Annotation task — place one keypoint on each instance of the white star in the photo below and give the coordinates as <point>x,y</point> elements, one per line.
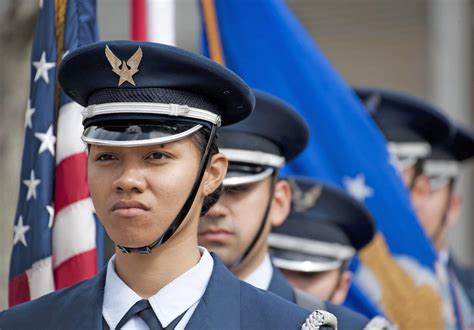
<point>357,188</point>
<point>41,4</point>
<point>42,68</point>
<point>32,183</point>
<point>19,232</point>
<point>50,210</point>
<point>29,113</point>
<point>47,140</point>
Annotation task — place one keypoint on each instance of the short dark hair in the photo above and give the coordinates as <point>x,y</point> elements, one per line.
<point>200,139</point>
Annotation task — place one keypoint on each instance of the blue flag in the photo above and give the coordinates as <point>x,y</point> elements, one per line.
<point>264,43</point>
<point>56,240</point>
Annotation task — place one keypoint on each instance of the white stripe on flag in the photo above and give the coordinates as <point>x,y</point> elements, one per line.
<point>40,278</point>
<point>73,231</point>
<point>161,21</point>
<point>69,131</point>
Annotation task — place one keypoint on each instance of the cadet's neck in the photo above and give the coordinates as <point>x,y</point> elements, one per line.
<point>146,274</point>
<point>253,260</point>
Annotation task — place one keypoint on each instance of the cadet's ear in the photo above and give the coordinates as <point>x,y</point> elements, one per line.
<point>215,173</point>
<point>281,203</point>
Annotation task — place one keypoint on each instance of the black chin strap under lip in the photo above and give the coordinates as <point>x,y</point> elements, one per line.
<point>262,225</point>
<point>186,206</point>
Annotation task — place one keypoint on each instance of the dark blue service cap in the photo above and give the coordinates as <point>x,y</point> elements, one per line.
<point>324,222</point>
<point>404,118</point>
<point>410,124</point>
<point>111,72</point>
<point>459,148</point>
<point>444,161</point>
<point>271,136</point>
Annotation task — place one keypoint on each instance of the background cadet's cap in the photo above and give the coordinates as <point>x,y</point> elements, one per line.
<point>271,136</point>
<point>444,161</point>
<point>138,93</point>
<point>409,124</point>
<point>324,229</point>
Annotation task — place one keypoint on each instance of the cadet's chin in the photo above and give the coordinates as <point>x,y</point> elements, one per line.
<point>136,239</point>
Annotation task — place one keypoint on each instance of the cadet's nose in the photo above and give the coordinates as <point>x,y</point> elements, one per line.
<point>218,210</point>
<point>131,179</point>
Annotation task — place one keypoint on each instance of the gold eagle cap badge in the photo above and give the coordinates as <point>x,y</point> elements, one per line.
<point>125,70</point>
<point>302,201</point>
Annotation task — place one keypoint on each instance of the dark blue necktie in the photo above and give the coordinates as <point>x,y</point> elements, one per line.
<point>142,309</point>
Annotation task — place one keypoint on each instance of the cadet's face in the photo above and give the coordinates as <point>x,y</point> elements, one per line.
<point>232,223</point>
<point>432,213</point>
<point>138,191</point>
<point>420,190</point>
<point>407,175</point>
<point>322,285</point>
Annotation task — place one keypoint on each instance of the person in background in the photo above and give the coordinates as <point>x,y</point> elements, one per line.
<point>411,126</point>
<point>415,130</point>
<point>254,199</point>
<point>442,211</point>
<point>324,230</point>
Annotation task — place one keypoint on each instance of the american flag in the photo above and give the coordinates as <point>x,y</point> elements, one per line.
<point>56,239</point>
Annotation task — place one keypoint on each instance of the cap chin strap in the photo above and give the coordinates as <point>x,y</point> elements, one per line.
<point>249,249</point>
<point>186,206</point>
<point>444,219</point>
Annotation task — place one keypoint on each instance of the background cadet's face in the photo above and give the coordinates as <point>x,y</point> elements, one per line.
<point>431,214</point>
<point>232,223</point>
<point>138,191</point>
<point>419,192</point>
<point>323,284</point>
<point>407,175</point>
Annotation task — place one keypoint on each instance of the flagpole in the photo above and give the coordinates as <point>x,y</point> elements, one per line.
<point>60,14</point>
<point>138,20</point>
<point>212,31</point>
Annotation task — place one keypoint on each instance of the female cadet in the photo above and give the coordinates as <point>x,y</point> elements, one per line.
<point>150,123</point>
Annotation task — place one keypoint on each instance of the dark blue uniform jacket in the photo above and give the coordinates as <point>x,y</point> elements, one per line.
<point>346,318</point>
<point>228,303</point>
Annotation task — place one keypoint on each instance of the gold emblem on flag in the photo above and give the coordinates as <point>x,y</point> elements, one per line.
<point>303,201</point>
<point>125,70</point>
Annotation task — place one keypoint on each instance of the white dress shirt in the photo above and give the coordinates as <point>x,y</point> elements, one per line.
<point>183,293</point>
<point>262,275</point>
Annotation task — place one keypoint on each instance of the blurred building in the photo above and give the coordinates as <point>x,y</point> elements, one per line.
<point>421,47</point>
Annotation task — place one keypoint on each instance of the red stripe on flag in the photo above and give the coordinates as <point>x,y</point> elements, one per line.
<point>18,290</point>
<point>78,268</point>
<point>71,181</point>
<point>138,21</point>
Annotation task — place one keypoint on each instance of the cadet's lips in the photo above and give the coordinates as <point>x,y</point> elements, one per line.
<point>129,208</point>
<point>215,234</point>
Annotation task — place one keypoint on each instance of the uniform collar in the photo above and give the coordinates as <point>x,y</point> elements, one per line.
<point>280,286</point>
<point>262,275</point>
<point>168,303</point>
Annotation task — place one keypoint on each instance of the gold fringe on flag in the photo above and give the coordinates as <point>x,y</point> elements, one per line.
<point>407,304</point>
<point>212,31</point>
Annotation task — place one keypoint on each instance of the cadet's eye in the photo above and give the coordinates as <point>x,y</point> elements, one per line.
<point>157,156</point>
<point>105,157</point>
<point>234,190</point>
